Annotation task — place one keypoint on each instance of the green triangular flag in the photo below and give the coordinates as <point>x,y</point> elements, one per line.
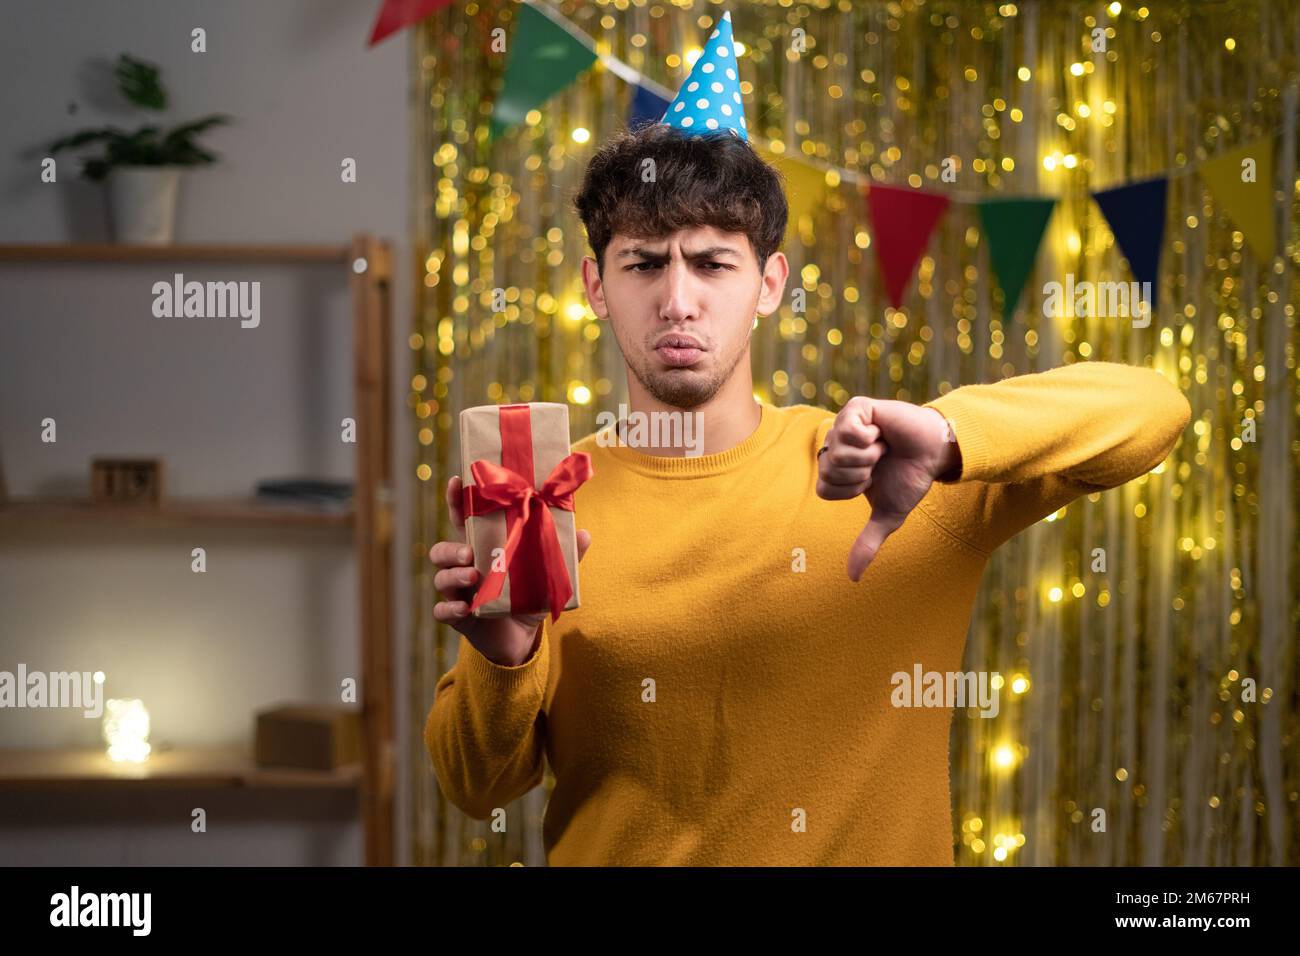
<point>1014,228</point>
<point>544,59</point>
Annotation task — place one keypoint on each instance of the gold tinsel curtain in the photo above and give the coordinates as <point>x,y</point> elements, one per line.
<point>1125,685</point>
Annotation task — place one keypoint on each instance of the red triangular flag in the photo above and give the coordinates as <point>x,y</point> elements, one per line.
<point>396,14</point>
<point>902,220</point>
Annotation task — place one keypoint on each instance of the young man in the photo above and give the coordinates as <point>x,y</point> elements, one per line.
<point>725,692</point>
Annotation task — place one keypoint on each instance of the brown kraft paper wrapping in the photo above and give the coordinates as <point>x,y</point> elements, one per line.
<point>480,437</point>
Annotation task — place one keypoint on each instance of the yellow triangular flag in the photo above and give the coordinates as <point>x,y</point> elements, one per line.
<point>805,189</point>
<point>1242,181</point>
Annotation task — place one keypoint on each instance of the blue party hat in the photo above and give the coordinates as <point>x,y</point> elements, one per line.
<point>710,98</point>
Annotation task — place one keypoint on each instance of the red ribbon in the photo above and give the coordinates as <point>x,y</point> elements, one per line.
<point>532,540</point>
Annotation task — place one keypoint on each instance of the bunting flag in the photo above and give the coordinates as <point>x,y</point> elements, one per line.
<point>1242,181</point>
<point>901,222</point>
<point>805,191</point>
<point>1014,228</point>
<point>1136,214</point>
<point>545,57</point>
<point>396,15</point>
<point>647,107</point>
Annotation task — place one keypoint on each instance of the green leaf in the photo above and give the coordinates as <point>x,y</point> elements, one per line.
<point>82,138</point>
<point>139,82</point>
<point>185,131</point>
<point>142,137</point>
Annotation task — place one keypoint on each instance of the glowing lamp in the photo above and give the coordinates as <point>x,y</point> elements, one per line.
<point>126,730</point>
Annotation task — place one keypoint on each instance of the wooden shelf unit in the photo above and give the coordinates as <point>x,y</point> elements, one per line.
<point>369,262</point>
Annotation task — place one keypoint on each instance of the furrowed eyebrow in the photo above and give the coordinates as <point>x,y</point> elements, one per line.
<point>712,252</point>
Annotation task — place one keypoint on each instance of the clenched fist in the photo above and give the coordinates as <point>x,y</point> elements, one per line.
<point>890,451</point>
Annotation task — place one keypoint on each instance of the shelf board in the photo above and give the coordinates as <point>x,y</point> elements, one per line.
<point>178,512</point>
<point>209,768</point>
<point>186,251</point>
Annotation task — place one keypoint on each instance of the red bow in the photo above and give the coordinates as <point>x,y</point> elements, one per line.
<point>532,540</point>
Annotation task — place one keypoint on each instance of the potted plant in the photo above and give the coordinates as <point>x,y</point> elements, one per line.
<point>142,169</point>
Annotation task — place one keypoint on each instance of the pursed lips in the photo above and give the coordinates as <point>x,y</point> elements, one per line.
<point>679,342</point>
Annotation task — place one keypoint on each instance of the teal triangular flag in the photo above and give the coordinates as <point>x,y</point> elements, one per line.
<point>1014,228</point>
<point>544,59</point>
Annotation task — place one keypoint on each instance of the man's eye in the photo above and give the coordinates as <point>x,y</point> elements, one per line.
<point>642,266</point>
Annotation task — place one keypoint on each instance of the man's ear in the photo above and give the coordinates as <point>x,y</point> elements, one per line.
<point>592,282</point>
<point>775,272</point>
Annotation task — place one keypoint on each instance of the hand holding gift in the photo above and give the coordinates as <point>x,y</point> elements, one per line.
<point>508,641</point>
<point>517,512</point>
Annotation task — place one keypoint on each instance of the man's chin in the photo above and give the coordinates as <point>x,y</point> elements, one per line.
<point>682,388</point>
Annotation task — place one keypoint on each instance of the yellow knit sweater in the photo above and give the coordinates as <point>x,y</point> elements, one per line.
<point>723,694</point>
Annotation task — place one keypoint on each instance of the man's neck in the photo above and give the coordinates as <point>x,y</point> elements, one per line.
<point>720,424</point>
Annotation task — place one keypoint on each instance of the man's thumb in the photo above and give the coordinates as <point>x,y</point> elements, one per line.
<point>863,552</point>
<point>584,542</point>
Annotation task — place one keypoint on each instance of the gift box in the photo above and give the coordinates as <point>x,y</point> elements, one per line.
<point>518,478</point>
<point>308,737</point>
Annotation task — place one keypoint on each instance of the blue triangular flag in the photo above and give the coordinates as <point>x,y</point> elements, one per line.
<point>647,107</point>
<point>710,97</point>
<point>1136,214</point>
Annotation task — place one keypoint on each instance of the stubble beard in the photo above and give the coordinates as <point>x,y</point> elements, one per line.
<point>684,387</point>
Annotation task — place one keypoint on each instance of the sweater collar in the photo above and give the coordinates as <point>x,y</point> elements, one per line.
<point>698,466</point>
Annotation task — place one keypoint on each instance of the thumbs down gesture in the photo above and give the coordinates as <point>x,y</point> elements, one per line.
<point>891,452</point>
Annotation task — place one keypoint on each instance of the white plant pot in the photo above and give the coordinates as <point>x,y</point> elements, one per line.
<point>142,202</point>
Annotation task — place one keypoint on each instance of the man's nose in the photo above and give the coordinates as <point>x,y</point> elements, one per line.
<point>678,292</point>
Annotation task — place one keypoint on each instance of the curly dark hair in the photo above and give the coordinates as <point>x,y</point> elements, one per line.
<point>711,179</point>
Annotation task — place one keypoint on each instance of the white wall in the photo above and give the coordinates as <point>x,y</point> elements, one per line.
<point>275,616</point>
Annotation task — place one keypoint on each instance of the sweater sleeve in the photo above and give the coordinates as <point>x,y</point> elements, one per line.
<point>1033,443</point>
<point>485,732</point>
